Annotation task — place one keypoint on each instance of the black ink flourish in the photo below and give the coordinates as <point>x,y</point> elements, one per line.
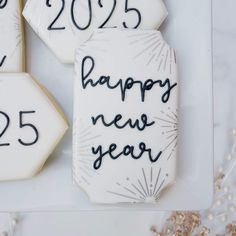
<point>2,61</point>
<point>128,150</point>
<point>3,3</point>
<point>123,85</point>
<point>51,26</point>
<point>48,3</point>
<point>133,10</point>
<point>2,132</point>
<point>140,125</point>
<point>103,25</point>
<point>73,16</point>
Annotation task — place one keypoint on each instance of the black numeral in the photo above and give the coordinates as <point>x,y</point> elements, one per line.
<point>51,26</point>
<point>29,125</point>
<point>5,127</point>
<point>3,3</point>
<point>2,61</point>
<point>110,15</point>
<point>128,9</point>
<point>73,15</point>
<point>22,125</point>
<point>103,25</point>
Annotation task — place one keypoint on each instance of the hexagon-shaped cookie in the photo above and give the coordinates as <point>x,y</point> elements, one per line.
<point>64,24</point>
<point>31,126</point>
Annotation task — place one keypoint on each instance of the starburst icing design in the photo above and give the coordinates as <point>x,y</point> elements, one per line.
<point>168,122</point>
<point>11,52</point>
<point>84,167</point>
<point>146,188</point>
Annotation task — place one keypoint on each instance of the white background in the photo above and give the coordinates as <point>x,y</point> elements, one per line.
<point>138,223</point>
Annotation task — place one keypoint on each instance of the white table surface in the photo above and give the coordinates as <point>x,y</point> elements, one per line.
<point>139,223</point>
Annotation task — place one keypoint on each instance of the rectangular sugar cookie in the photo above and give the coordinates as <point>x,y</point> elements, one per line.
<point>12,55</point>
<point>125,116</point>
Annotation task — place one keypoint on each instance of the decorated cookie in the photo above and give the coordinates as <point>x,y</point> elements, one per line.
<point>64,24</point>
<point>31,126</point>
<point>11,37</point>
<point>125,113</point>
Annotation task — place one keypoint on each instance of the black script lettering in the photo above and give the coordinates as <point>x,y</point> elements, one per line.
<point>128,150</point>
<point>123,85</point>
<point>139,124</point>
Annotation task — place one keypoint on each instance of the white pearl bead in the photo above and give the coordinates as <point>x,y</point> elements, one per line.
<point>228,158</point>
<point>233,131</point>
<point>210,216</point>
<point>223,218</point>
<point>218,202</point>
<point>14,222</point>
<point>230,197</point>
<point>221,169</point>
<point>226,189</point>
<point>232,208</point>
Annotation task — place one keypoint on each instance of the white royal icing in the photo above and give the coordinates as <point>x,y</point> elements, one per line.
<point>147,65</point>
<point>11,37</point>
<point>64,24</point>
<point>30,126</point>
